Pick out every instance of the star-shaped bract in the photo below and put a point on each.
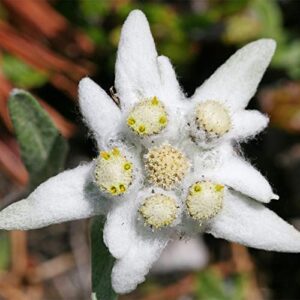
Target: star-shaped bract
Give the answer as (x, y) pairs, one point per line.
(206, 188)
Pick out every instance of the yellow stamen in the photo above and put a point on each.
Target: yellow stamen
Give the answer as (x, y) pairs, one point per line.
(142, 129)
(127, 166)
(162, 119)
(130, 121)
(113, 190)
(122, 188)
(104, 155)
(116, 152)
(219, 187)
(197, 188)
(154, 101)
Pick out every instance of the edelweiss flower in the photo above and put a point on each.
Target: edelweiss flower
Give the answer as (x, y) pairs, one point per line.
(166, 166)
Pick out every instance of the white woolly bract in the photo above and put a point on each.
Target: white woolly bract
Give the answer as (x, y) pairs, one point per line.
(136, 67)
(123, 220)
(171, 90)
(247, 124)
(249, 223)
(144, 250)
(119, 227)
(100, 112)
(141, 74)
(67, 196)
(241, 176)
(236, 81)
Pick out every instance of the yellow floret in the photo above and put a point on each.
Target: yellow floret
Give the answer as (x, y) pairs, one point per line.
(166, 166)
(104, 155)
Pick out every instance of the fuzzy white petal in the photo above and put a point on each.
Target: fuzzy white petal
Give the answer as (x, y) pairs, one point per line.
(99, 111)
(236, 81)
(170, 86)
(182, 255)
(136, 66)
(67, 196)
(119, 227)
(247, 124)
(247, 222)
(243, 177)
(132, 268)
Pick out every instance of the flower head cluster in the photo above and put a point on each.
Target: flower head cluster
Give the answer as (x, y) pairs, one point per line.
(166, 165)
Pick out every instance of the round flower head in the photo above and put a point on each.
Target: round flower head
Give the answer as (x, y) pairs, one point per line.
(113, 172)
(166, 166)
(159, 210)
(157, 179)
(148, 117)
(211, 121)
(217, 112)
(204, 200)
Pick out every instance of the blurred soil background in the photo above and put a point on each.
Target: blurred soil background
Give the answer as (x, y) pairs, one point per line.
(47, 46)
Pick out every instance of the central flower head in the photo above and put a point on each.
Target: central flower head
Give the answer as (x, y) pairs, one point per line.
(148, 117)
(166, 166)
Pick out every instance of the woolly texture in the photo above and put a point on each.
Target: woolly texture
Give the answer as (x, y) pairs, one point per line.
(100, 113)
(131, 269)
(241, 176)
(142, 75)
(173, 94)
(248, 123)
(136, 67)
(119, 227)
(67, 196)
(235, 82)
(247, 222)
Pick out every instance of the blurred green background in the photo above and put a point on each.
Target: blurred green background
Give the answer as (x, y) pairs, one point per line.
(49, 48)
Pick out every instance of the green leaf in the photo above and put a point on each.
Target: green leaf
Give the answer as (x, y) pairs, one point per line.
(21, 74)
(4, 251)
(102, 263)
(43, 149)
